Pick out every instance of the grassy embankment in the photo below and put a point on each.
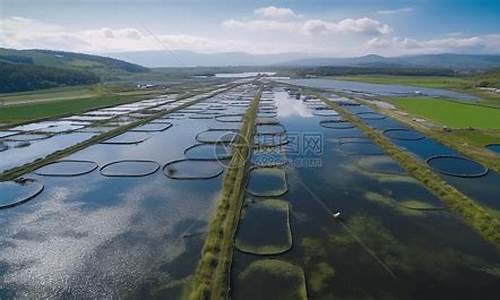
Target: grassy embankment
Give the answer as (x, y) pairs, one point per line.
(15, 172)
(471, 212)
(211, 278)
(469, 126)
(25, 107)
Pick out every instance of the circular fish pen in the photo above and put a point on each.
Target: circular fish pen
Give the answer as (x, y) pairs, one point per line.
(325, 112)
(263, 140)
(368, 115)
(264, 228)
(201, 117)
(266, 181)
(266, 121)
(152, 127)
(266, 115)
(192, 169)
(268, 157)
(28, 137)
(493, 148)
(63, 168)
(359, 146)
(276, 128)
(209, 151)
(230, 118)
(456, 166)
(176, 116)
(336, 124)
(127, 138)
(19, 191)
(270, 279)
(215, 136)
(129, 168)
(403, 134)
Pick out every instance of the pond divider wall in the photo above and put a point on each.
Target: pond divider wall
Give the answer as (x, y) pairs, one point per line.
(211, 277)
(470, 211)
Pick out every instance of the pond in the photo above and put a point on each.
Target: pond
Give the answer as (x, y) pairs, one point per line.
(391, 238)
(379, 89)
(121, 229)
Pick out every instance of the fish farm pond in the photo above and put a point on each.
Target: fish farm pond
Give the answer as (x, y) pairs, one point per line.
(118, 202)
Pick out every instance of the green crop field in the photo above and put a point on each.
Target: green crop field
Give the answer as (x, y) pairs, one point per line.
(37, 110)
(420, 81)
(450, 113)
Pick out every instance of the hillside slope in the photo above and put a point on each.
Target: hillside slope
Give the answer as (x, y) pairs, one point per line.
(105, 67)
(25, 77)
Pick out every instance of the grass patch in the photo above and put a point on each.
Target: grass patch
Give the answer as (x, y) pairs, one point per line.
(471, 212)
(211, 277)
(271, 279)
(448, 82)
(451, 113)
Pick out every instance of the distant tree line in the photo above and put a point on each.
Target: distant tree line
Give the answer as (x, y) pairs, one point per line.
(25, 77)
(339, 71)
(488, 79)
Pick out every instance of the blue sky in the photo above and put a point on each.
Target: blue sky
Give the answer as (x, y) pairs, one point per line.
(317, 27)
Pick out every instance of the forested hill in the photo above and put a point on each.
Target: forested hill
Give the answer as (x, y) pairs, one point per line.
(26, 77)
(23, 70)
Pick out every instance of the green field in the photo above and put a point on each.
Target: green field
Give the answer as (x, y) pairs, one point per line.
(451, 113)
(37, 110)
(53, 94)
(420, 81)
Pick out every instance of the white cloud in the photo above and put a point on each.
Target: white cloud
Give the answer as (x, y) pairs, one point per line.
(395, 11)
(347, 37)
(313, 26)
(397, 45)
(275, 12)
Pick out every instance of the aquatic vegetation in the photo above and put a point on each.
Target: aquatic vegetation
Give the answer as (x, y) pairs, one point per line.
(267, 181)
(65, 168)
(409, 207)
(265, 228)
(472, 213)
(321, 275)
(274, 278)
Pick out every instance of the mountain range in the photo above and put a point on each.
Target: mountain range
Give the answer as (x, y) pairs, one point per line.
(184, 58)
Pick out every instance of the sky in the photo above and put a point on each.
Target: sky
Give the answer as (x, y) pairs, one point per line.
(336, 28)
